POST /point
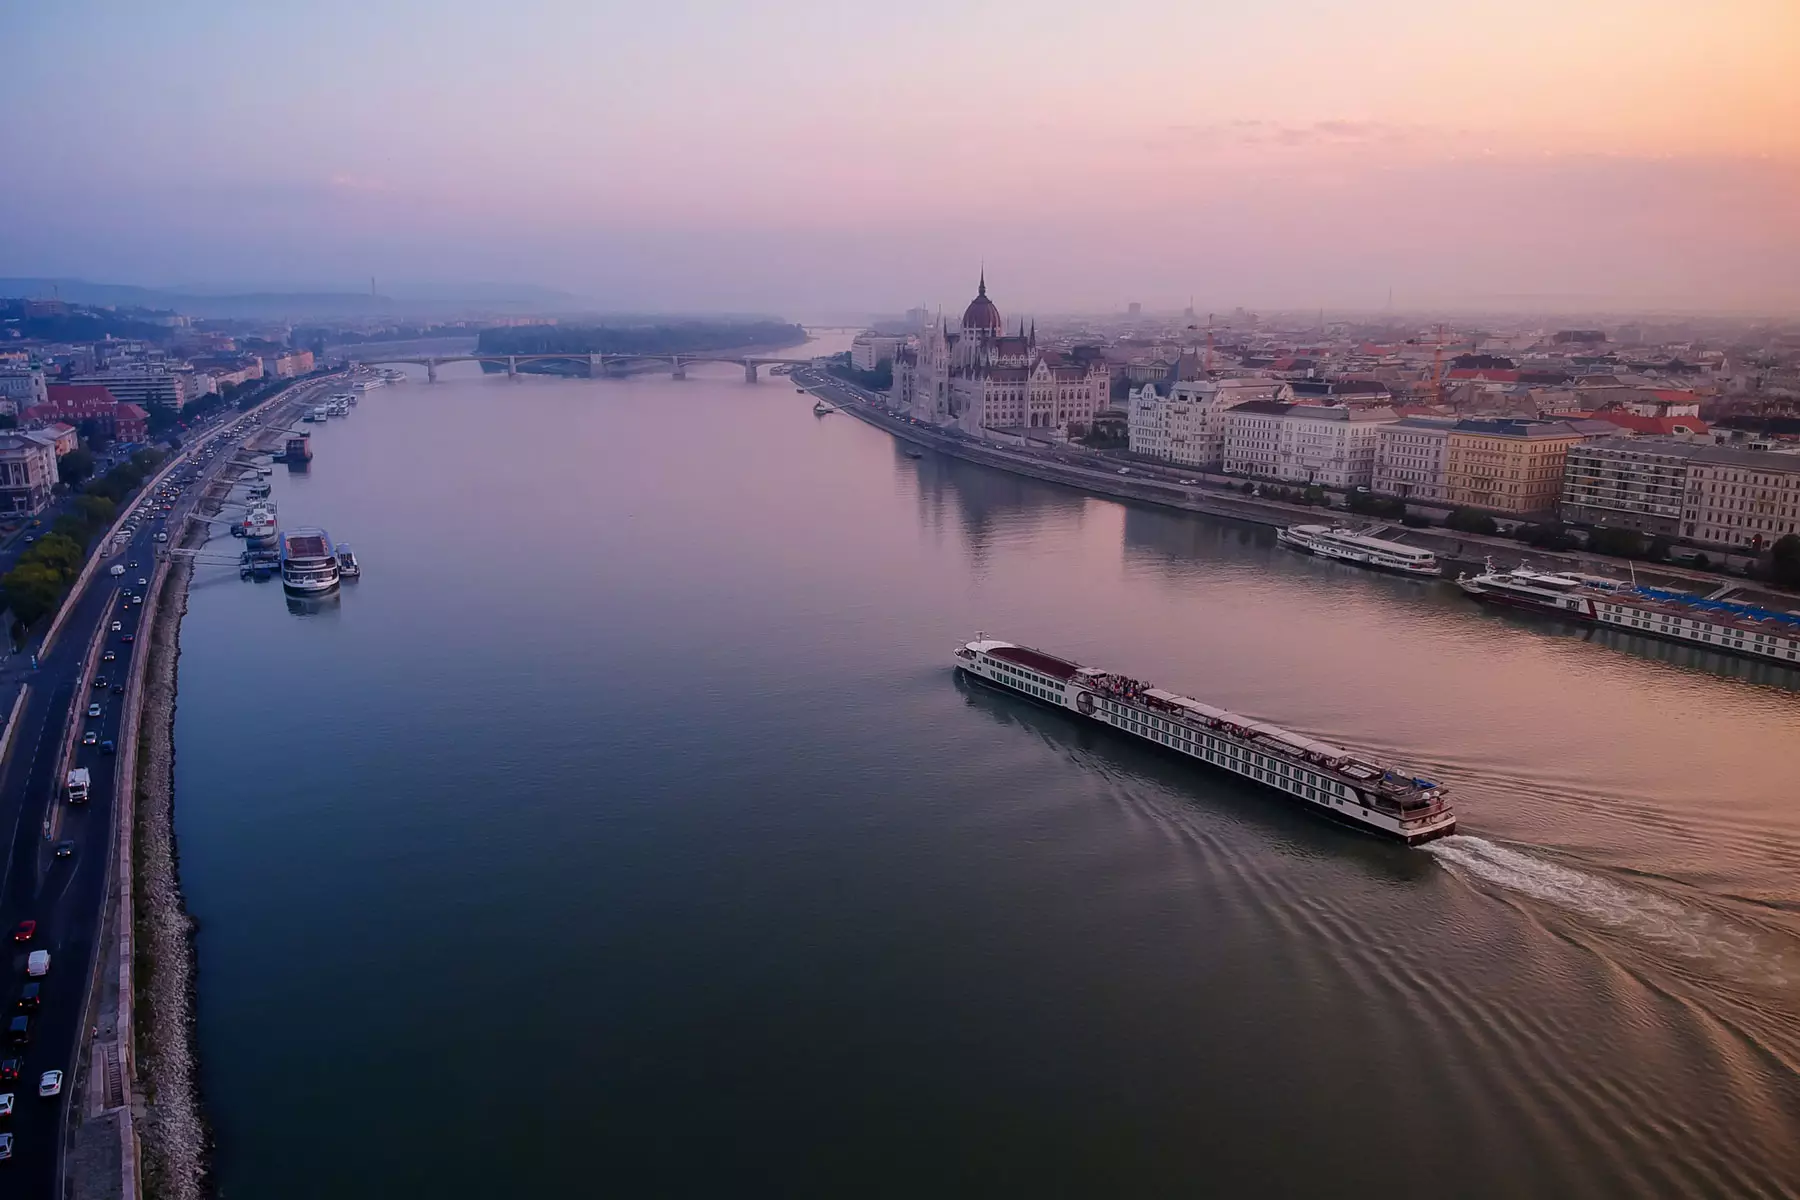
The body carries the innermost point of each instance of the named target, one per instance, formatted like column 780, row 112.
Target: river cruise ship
column 1733, row 627
column 1347, row 545
column 308, row 561
column 1324, row 777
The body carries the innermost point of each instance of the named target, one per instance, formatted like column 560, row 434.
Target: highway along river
column 623, row 831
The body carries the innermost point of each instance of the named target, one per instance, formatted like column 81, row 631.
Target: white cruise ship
column 1347, row 545
column 308, row 561
column 1733, row 627
column 1324, row 777
column 259, row 525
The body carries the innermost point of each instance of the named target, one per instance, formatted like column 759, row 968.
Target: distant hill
column 416, row 300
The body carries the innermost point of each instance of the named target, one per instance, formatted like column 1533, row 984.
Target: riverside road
column 65, row 895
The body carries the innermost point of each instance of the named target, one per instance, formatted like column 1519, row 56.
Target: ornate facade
column 982, row 377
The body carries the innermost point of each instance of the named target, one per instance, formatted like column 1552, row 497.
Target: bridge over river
column 598, row 365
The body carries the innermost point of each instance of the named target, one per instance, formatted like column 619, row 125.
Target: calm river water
column 624, row 832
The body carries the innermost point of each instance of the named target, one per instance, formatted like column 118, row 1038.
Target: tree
column 1413, row 520
column 97, row 511
column 1469, row 520
column 1314, row 495
column 75, row 466
column 1660, row 546
column 1624, row 543
column 1784, row 561
column 32, row 589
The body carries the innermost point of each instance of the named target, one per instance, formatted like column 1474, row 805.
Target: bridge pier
column 512, row 366
column 677, row 370
column 749, row 370
column 431, row 370
column 596, row 366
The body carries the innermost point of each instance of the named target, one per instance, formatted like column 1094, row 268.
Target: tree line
column 693, row 337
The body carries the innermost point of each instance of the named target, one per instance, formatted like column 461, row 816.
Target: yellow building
column 1508, row 466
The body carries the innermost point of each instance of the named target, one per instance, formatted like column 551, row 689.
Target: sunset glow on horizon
column 1601, row 152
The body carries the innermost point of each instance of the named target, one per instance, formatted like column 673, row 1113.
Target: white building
column 21, row 387
column 982, row 378
column 1331, row 446
column 145, row 386
column 1187, row 424
column 870, row 350
column 1253, row 438
column 1411, row 458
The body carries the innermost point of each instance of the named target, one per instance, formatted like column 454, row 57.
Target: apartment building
column 1187, row 425
column 1252, row 441
column 1629, row 483
column 1508, row 466
column 1330, row 446
column 1411, row 457
column 27, row 472
column 1741, row 498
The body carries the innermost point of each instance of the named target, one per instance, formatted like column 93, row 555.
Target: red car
column 24, row 931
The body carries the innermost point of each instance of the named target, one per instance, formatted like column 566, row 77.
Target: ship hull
column 1332, row 554
column 1435, row 828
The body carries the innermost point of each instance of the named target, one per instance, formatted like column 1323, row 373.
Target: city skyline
column 697, row 157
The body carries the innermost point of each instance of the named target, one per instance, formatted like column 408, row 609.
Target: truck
column 78, row 785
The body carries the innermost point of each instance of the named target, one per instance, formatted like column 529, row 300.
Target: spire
column 982, row 289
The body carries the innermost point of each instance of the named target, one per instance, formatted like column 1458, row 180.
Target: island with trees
column 662, row 336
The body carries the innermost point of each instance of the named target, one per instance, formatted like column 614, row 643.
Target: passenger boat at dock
column 1347, row 545
column 1322, row 776
column 308, row 561
column 820, row 408
column 1731, row 626
column 259, row 525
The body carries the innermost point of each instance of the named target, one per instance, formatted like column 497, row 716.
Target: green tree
column 32, row 589
column 97, row 511
column 1625, row 543
column 1469, row 520
column 1314, row 495
column 75, row 466
column 1784, row 561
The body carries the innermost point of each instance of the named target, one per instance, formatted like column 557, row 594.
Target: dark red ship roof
column 306, row 545
column 1035, row 660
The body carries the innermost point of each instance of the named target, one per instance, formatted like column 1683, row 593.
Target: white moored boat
column 1326, row 778
column 308, row 561
column 1347, row 545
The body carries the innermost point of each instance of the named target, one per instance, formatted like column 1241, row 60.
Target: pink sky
column 1628, row 152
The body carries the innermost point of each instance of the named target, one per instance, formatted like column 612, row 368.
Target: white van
column 38, row 964
column 115, row 569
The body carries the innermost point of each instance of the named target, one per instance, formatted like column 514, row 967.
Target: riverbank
column 1457, row 551
column 173, row 1132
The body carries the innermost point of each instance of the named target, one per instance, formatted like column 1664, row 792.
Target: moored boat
column 348, row 567
column 259, row 525
column 1347, row 545
column 1327, row 779
column 308, row 561
column 1750, row 630
column 820, row 408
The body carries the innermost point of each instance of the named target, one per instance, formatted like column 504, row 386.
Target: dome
column 981, row 316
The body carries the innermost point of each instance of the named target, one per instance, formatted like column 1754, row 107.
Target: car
column 37, row 963
column 6, row 1140
column 6, row 1104
column 118, row 625
column 50, row 1084
column 142, row 582
column 28, row 998
column 132, row 563
column 100, row 681
column 137, row 599
column 25, row 930
column 18, row 1030
column 1124, row 470
column 118, row 689
column 90, row 738
column 30, row 538
column 9, row 1068
column 64, row 850
column 109, row 656
column 128, row 639
column 107, row 748
column 93, row 710
column 1189, row 482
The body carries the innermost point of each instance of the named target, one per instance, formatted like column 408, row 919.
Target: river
column 624, row 831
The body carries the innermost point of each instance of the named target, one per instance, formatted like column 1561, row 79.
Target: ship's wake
column 1641, row 914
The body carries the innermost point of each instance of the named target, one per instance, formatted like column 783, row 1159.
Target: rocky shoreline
column 175, row 1137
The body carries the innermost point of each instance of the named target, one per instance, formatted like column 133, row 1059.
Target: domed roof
column 981, row 316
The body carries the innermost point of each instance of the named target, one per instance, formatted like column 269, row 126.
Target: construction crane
column 1437, row 362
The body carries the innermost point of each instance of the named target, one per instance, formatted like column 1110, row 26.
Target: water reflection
column 312, row 605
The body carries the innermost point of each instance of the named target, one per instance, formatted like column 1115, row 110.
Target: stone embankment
column 174, row 1133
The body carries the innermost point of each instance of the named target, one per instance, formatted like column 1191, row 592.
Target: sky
column 804, row 156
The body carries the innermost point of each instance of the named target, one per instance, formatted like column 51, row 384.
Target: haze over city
column 970, row 598
column 823, row 156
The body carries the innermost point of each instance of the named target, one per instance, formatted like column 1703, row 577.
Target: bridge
column 597, row 364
